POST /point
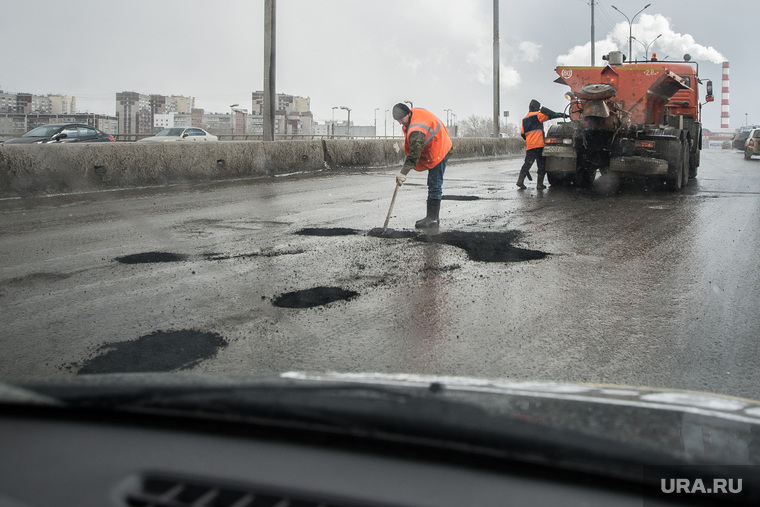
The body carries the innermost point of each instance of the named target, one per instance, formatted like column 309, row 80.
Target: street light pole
column 630, row 28
column 376, row 110
column 646, row 46
column 270, row 96
column 385, row 127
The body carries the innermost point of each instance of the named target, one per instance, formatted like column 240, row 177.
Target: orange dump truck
column 636, row 120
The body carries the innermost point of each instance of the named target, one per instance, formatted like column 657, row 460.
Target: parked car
column 62, row 133
column 180, row 134
column 740, row 138
column 752, row 144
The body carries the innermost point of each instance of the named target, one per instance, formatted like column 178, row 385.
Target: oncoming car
column 62, row 133
column 175, row 134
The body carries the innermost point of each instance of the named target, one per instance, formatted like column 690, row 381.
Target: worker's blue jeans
column 435, row 181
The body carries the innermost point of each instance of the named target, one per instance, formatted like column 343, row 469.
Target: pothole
column 379, row 232
column 460, row 198
column 150, row 257
column 485, row 246
column 160, row 351
column 335, row 231
column 317, row 296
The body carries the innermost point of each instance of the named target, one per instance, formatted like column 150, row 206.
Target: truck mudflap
column 639, row 166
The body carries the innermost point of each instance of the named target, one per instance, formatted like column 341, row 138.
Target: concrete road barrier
column 60, row 168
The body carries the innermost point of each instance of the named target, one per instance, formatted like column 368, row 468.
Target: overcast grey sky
column 360, row 54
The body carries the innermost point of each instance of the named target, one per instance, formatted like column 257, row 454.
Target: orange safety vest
column 533, row 128
column 437, row 141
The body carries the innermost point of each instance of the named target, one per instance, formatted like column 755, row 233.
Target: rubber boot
column 540, row 183
column 431, row 220
column 521, row 181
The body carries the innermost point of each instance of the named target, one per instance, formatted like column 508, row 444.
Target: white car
column 180, row 134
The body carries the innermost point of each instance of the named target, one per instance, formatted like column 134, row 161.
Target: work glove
column 400, row 178
column 551, row 114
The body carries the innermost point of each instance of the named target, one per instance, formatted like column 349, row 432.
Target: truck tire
column 675, row 157
column 694, row 164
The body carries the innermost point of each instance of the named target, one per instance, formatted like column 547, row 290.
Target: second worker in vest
column 532, row 130
column 427, row 146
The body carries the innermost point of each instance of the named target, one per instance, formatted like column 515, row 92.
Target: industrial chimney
column 724, row 124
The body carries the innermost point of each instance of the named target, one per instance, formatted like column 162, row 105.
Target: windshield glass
column 171, row 132
column 373, row 196
column 45, row 131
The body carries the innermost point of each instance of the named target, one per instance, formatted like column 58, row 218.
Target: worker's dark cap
column 534, row 105
column 400, row 110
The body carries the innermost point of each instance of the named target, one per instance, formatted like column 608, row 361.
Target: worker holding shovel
column 427, row 146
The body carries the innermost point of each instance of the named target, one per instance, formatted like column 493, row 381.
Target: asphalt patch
column 379, row 232
column 335, row 231
column 160, row 351
column 309, row 298
column 151, row 257
column 460, row 198
column 485, row 246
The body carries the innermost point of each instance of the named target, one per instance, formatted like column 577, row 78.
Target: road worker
column 427, row 146
column 532, row 130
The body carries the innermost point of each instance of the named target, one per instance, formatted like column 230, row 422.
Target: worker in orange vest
column 427, row 146
column 532, row 130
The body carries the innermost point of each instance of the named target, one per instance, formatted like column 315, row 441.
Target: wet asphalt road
column 635, row 287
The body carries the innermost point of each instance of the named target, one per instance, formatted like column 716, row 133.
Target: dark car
column 739, row 139
column 62, row 133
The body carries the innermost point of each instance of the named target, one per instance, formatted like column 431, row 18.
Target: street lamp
column 348, row 125
column 385, row 128
column 630, row 28
column 376, row 110
column 646, row 47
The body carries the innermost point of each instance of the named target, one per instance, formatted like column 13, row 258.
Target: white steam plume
column 669, row 45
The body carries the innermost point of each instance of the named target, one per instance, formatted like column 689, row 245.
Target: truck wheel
column 694, row 164
column 674, row 179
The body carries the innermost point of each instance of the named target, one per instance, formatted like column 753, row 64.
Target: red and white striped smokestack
column 724, row 124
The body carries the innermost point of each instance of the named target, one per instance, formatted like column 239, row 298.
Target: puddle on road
column 309, row 298
column 160, row 351
column 485, row 246
column 151, row 257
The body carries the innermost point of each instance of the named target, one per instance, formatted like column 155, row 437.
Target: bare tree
column 482, row 126
column 475, row 126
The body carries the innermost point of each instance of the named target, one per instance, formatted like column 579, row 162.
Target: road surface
column 630, row 285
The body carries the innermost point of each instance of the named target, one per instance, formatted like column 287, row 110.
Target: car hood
column 26, row 140
column 647, row 425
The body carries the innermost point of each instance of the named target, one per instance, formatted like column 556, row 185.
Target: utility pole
column 593, row 38
column 496, row 107
column 270, row 96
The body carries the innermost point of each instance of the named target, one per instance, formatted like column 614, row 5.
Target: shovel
column 393, row 200
column 378, row 231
